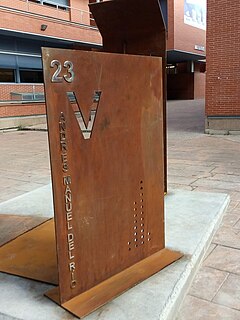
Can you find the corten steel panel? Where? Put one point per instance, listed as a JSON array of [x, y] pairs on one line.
[[131, 26], [32, 255], [12, 226], [112, 183], [134, 27], [92, 299]]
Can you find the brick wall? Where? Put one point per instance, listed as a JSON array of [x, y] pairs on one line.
[[78, 16], [26, 21], [223, 47], [16, 110], [24, 5], [199, 85], [181, 36], [78, 12], [170, 27], [60, 23], [6, 89], [22, 109]]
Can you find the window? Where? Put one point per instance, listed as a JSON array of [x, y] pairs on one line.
[[31, 76], [57, 2], [61, 4], [7, 75]]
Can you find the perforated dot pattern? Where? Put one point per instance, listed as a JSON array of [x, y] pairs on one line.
[[139, 234]]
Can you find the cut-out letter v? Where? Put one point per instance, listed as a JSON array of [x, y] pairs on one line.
[[86, 128]]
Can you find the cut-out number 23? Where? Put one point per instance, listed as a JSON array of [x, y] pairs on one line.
[[69, 76]]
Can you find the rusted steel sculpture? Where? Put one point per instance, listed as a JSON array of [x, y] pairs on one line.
[[107, 173], [105, 115], [135, 27]]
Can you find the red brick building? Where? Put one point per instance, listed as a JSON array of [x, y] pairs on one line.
[[25, 27], [186, 49], [28, 25], [223, 77]]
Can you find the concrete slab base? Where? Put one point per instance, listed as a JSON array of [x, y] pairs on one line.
[[222, 125], [191, 220], [36, 203]]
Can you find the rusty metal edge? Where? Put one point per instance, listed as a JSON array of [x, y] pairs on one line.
[[25, 266], [109, 289]]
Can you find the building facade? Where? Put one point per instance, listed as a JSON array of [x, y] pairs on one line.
[[186, 49], [25, 27], [28, 25], [223, 77]]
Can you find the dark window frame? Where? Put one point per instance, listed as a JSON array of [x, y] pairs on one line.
[[13, 75], [38, 71]]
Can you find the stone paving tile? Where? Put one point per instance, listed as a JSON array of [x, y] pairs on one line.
[[225, 259], [225, 177], [236, 210], [7, 182], [209, 250], [197, 309], [238, 205], [228, 237], [232, 138], [227, 170], [207, 189], [233, 204], [207, 283], [230, 166], [229, 293], [10, 193], [181, 180], [217, 184], [13, 175], [235, 195], [237, 225], [219, 158], [175, 186], [41, 180], [29, 186], [188, 162], [193, 168], [24, 162], [189, 172], [231, 220]]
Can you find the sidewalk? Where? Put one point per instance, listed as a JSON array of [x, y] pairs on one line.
[[196, 162], [199, 162]]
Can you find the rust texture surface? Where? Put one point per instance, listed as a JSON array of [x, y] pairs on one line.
[[134, 27], [107, 168], [12, 226], [32, 255], [94, 298]]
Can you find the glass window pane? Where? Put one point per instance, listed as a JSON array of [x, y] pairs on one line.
[[31, 76], [7, 75]]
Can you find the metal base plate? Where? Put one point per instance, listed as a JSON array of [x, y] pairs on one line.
[[12, 226], [89, 301], [32, 255]]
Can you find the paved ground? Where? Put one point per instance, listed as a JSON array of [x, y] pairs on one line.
[[196, 162], [200, 162], [24, 162]]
